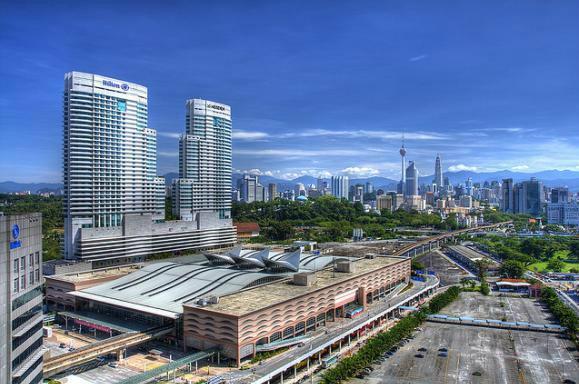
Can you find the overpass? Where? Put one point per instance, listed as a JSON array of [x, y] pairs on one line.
[[116, 344], [433, 242]]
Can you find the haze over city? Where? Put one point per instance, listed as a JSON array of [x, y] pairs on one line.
[[314, 89]]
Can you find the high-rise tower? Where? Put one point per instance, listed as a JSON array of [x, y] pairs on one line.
[[411, 180], [402, 183], [438, 177], [205, 160], [109, 155]]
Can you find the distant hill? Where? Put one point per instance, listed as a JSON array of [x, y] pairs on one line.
[[12, 187], [551, 178]]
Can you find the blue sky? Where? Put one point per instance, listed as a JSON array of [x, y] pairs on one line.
[[316, 87]]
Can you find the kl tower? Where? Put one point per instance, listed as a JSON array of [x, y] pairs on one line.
[[402, 182]]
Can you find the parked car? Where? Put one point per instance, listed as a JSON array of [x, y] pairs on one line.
[[419, 355], [422, 349], [113, 364], [62, 345], [442, 349]]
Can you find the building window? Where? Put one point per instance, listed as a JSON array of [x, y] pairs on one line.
[[31, 259], [15, 265], [37, 275], [31, 277], [16, 284], [22, 263], [23, 282], [37, 257]]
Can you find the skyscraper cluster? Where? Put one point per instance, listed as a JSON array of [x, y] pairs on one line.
[[525, 197], [114, 203]]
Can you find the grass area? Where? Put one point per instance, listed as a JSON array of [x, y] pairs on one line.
[[542, 266]]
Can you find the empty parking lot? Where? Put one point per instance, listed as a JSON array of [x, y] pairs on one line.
[[483, 355]]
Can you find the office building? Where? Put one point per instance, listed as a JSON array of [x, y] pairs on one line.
[[109, 156], [469, 188], [390, 201], [358, 194], [411, 180], [563, 213], [205, 162], [466, 201], [250, 189], [21, 305], [559, 195], [529, 197], [300, 190], [272, 191], [438, 177], [369, 187], [526, 197], [507, 196], [340, 186]]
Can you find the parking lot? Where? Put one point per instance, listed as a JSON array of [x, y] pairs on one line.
[[474, 304], [482, 355]]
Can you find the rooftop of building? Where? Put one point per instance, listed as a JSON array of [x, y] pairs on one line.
[[96, 274], [241, 303], [162, 288], [471, 253]]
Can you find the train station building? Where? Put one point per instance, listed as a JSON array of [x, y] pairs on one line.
[[240, 301]]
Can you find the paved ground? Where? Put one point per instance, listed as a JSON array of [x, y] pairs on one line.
[[107, 375], [494, 353], [447, 272], [495, 307], [53, 343]]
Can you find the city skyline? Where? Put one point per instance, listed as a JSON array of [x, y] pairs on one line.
[[498, 96]]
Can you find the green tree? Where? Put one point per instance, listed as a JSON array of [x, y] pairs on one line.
[[555, 265], [512, 269], [280, 230], [417, 266]]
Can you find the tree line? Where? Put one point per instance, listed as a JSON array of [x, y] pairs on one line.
[[376, 346]]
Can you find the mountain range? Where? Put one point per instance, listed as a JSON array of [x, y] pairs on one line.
[[551, 178]]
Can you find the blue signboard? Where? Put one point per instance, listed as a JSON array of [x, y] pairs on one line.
[[15, 243]]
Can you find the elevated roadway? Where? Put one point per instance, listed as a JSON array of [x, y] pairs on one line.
[[430, 243], [116, 344]]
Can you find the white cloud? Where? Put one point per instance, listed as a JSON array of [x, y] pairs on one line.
[[520, 168], [508, 129], [248, 135], [461, 167], [361, 133], [298, 153], [360, 171], [418, 58], [254, 171], [171, 135]]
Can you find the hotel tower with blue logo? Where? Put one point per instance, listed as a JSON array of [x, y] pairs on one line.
[[114, 204], [110, 160]]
